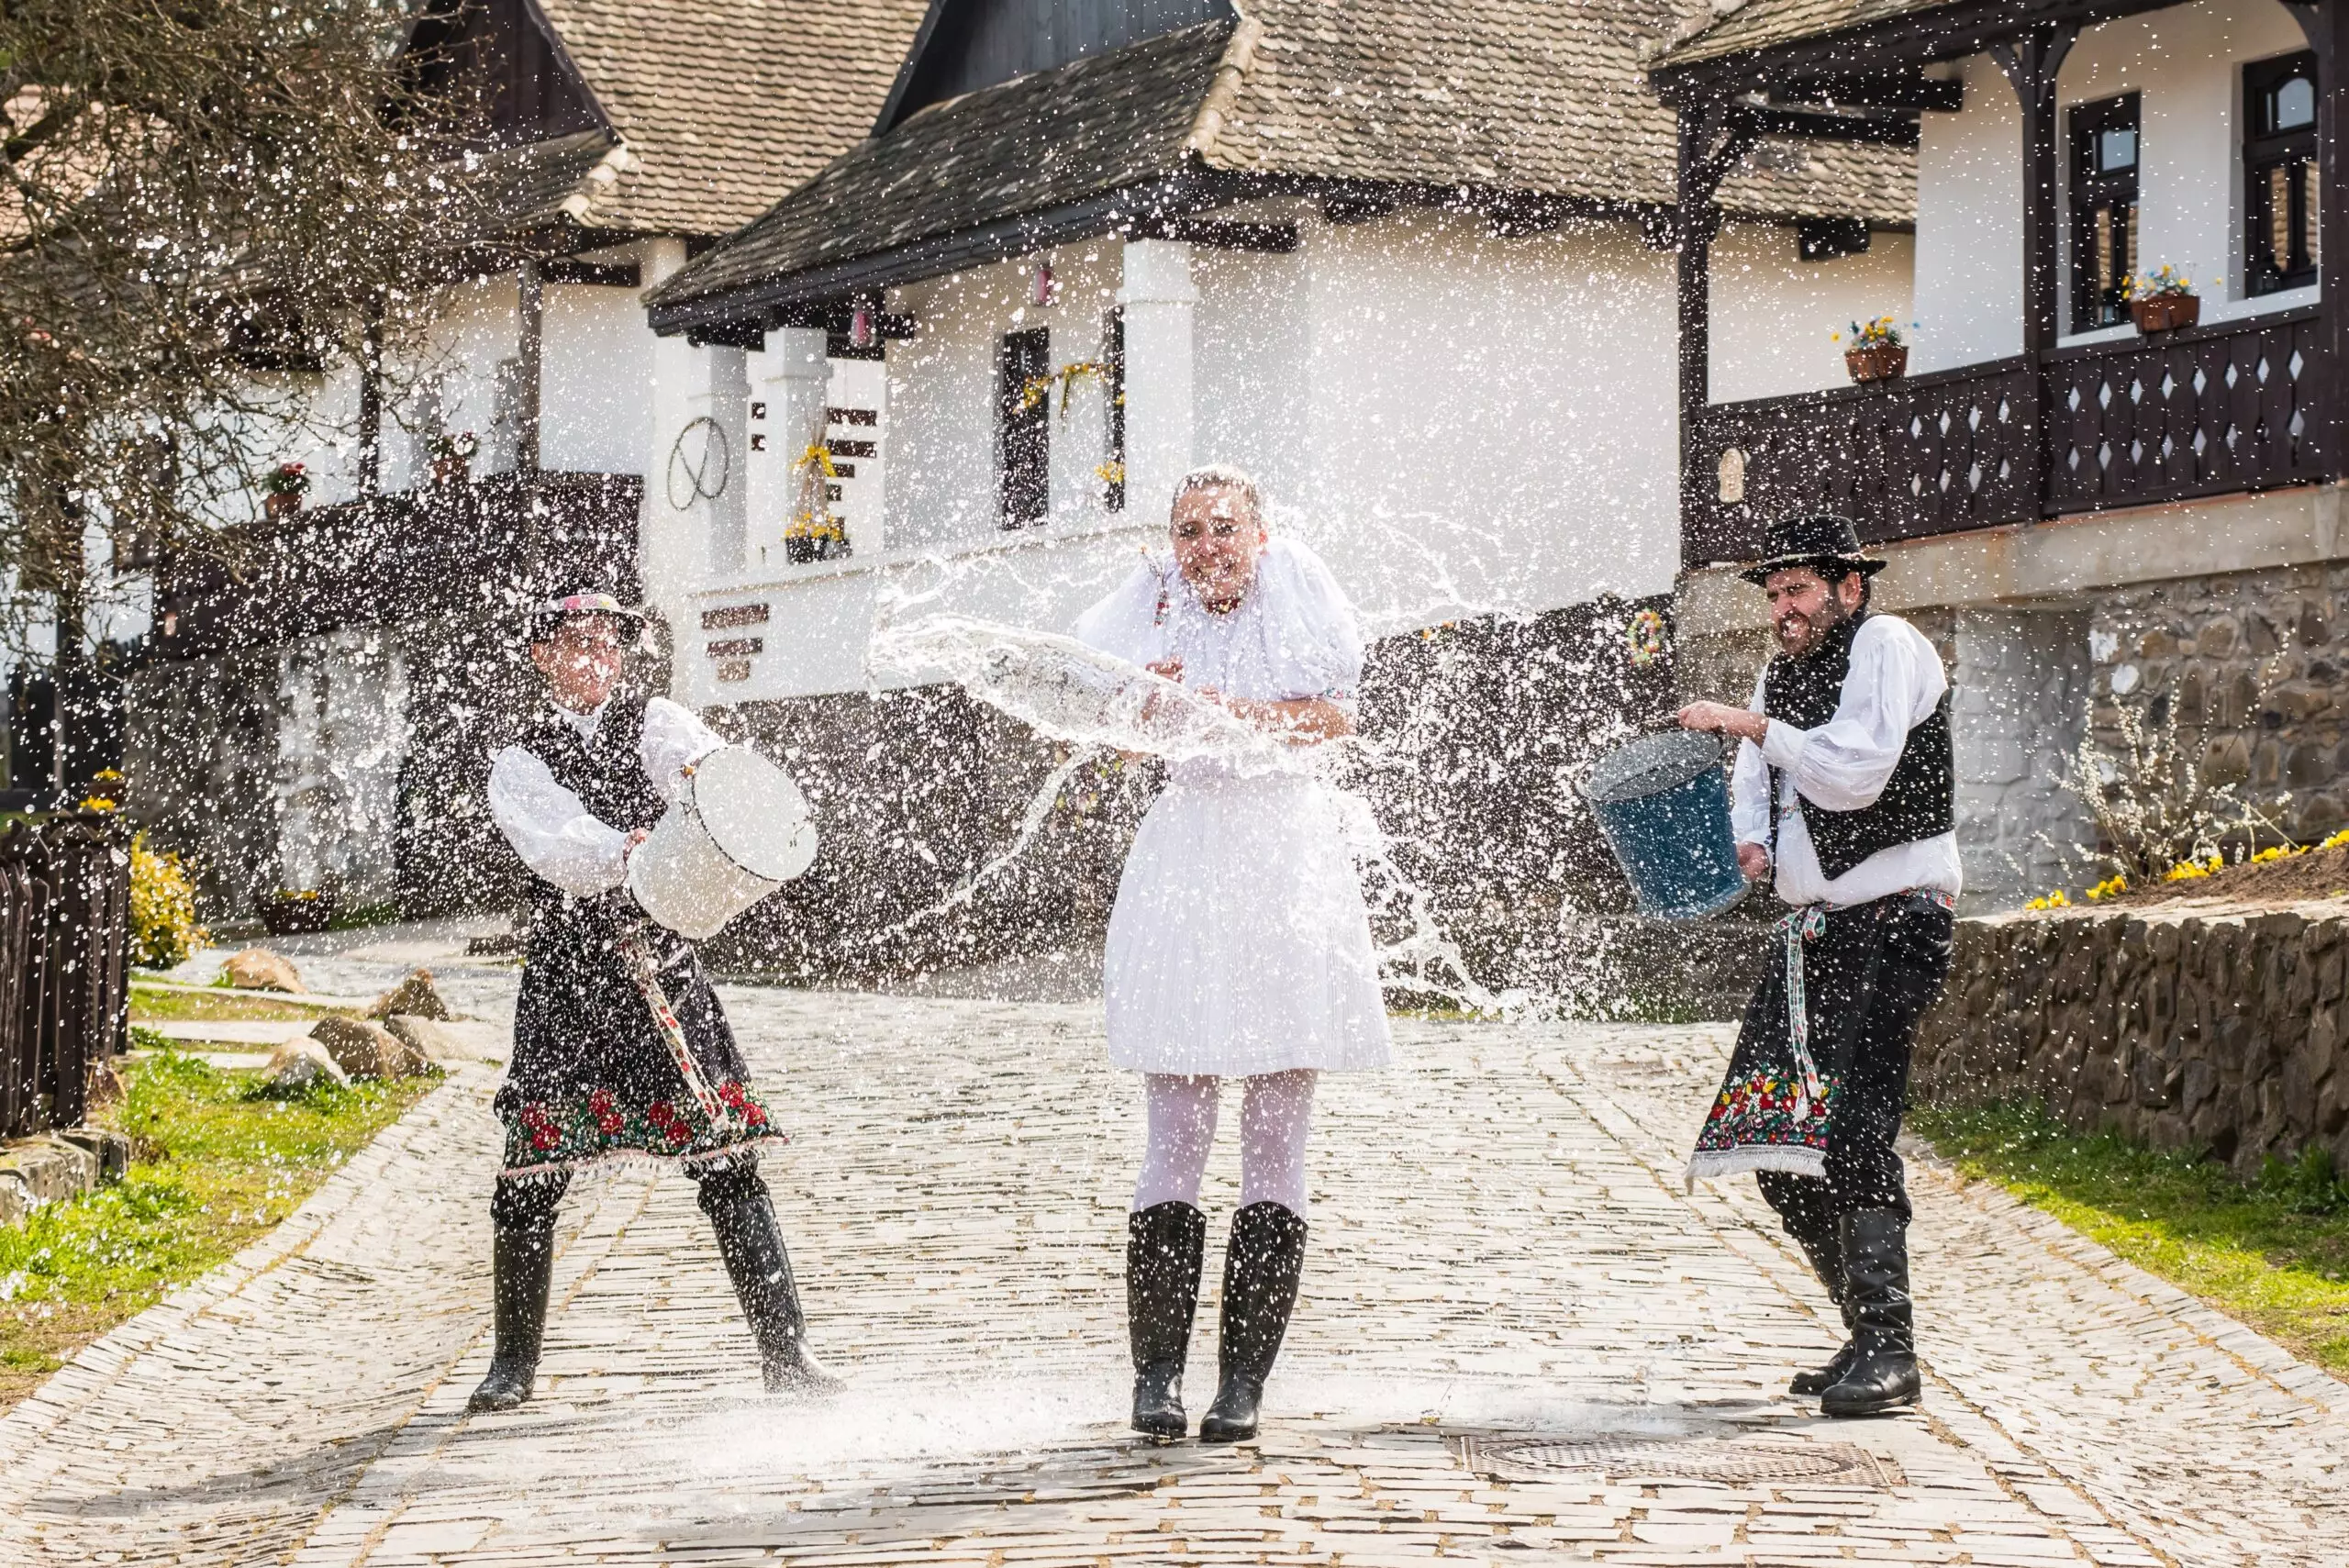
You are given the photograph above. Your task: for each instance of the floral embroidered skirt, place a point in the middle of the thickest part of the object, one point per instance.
(593, 1078)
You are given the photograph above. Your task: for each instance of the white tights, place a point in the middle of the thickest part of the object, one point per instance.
(1276, 1108)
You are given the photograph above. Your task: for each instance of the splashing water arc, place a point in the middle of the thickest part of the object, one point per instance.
(1094, 702)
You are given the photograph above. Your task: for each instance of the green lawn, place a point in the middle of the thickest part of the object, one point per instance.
(151, 1004)
(217, 1162)
(2273, 1254)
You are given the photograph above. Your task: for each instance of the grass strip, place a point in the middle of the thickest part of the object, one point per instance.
(154, 1004)
(2272, 1253)
(219, 1160)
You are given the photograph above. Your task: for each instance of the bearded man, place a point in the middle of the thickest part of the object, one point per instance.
(1843, 794)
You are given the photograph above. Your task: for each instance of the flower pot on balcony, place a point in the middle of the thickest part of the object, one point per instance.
(1888, 364)
(282, 504)
(2167, 312)
(452, 470)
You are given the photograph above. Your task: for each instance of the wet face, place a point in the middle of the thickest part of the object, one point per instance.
(581, 660)
(1805, 607)
(1217, 538)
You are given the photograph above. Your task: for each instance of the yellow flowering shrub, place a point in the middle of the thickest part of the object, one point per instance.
(2058, 899)
(163, 908)
(2110, 887)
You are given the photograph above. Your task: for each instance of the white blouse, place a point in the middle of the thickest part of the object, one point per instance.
(552, 829)
(1894, 683)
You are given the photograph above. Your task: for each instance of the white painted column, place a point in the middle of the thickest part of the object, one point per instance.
(726, 461)
(793, 383)
(669, 553)
(1159, 299)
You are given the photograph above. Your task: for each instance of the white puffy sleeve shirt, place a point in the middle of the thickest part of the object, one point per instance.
(552, 829)
(1894, 683)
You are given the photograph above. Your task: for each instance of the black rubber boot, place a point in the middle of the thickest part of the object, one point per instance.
(522, 1260)
(1826, 1254)
(1882, 1375)
(1261, 1269)
(1164, 1246)
(751, 1243)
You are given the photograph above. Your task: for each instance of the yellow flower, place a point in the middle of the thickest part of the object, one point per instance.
(97, 802)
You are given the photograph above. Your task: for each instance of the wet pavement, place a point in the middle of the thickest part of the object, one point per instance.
(1501, 1251)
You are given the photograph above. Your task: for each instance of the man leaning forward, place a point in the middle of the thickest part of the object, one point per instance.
(1842, 794)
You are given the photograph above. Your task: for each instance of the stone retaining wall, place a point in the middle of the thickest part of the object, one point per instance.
(2186, 1026)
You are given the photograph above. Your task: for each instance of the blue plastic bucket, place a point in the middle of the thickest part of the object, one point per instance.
(1662, 802)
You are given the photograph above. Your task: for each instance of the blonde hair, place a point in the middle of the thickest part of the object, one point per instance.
(1221, 476)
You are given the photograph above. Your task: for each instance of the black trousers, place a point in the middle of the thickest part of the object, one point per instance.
(523, 1202)
(1882, 965)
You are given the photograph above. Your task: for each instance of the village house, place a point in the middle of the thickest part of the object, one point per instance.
(315, 708)
(1412, 266)
(2096, 510)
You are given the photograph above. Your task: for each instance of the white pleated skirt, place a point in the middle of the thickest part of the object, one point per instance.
(1238, 943)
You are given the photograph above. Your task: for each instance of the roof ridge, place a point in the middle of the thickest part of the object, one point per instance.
(1238, 54)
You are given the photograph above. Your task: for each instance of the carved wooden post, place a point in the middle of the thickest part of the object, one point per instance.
(2032, 63)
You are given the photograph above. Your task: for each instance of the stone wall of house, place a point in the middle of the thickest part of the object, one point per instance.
(2210, 1030)
(2019, 683)
(2246, 665)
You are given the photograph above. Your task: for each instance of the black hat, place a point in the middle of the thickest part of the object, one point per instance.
(1820, 539)
(549, 613)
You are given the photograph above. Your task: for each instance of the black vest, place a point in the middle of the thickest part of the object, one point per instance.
(1919, 799)
(606, 774)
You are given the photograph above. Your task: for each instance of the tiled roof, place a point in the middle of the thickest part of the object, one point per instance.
(1545, 96)
(725, 107)
(546, 184)
(1034, 143)
(1742, 25)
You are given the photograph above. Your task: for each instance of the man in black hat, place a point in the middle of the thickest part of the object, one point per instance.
(621, 1051)
(1843, 794)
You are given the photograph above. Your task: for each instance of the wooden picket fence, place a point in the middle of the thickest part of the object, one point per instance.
(64, 964)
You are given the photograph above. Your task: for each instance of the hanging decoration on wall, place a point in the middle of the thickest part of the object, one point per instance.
(1045, 290)
(698, 464)
(814, 533)
(1644, 638)
(860, 327)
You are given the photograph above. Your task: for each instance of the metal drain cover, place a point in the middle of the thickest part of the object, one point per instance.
(1732, 1462)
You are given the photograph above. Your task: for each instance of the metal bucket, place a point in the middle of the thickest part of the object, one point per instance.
(738, 830)
(1662, 802)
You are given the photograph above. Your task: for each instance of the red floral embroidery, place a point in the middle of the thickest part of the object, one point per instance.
(752, 1115)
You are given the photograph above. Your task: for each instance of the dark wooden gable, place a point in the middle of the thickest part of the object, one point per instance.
(498, 59)
(965, 45)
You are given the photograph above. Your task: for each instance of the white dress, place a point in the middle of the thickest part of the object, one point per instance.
(1240, 944)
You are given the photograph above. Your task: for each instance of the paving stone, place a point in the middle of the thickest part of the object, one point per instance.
(1500, 1244)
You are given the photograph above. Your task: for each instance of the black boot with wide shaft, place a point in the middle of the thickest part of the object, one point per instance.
(1165, 1244)
(1821, 1245)
(523, 1259)
(1882, 1375)
(1259, 1274)
(751, 1243)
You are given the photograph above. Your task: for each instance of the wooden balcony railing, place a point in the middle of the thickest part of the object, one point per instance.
(470, 551)
(2204, 411)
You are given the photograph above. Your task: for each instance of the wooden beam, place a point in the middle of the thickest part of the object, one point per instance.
(596, 275)
(1713, 140)
(1276, 238)
(2328, 31)
(2032, 63)
(531, 354)
(1811, 126)
(1904, 90)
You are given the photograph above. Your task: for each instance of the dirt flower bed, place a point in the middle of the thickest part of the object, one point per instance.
(2319, 873)
(219, 1162)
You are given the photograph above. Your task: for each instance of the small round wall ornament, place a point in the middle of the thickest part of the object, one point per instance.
(1644, 638)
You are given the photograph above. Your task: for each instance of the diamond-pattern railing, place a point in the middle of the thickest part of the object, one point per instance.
(2232, 406)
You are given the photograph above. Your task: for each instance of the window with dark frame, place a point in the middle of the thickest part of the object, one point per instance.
(1024, 427)
(1113, 338)
(2104, 209)
(2279, 179)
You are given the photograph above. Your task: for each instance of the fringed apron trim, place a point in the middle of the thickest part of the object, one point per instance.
(1710, 1164)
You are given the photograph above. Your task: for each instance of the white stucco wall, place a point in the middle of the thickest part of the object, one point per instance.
(1776, 317)
(2187, 63)
(594, 380)
(1459, 423)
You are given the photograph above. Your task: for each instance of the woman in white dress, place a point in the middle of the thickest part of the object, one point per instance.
(1240, 945)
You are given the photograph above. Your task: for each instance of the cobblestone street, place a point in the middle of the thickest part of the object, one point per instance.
(1500, 1248)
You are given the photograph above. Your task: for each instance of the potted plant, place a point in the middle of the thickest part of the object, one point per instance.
(2163, 301)
(814, 537)
(452, 456)
(1874, 350)
(285, 486)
